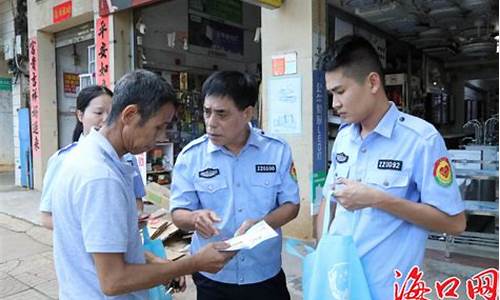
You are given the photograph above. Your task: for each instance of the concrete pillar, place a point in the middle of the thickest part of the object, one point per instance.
(41, 26)
(296, 26)
(48, 105)
(121, 45)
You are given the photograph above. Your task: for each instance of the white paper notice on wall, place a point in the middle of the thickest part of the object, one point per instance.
(284, 64)
(285, 103)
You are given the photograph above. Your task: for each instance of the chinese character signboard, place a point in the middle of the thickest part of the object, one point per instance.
(483, 285)
(34, 97)
(278, 65)
(215, 35)
(229, 10)
(284, 64)
(320, 138)
(5, 84)
(102, 73)
(62, 12)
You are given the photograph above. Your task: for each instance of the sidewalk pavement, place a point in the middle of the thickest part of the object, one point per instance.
(26, 266)
(26, 261)
(27, 269)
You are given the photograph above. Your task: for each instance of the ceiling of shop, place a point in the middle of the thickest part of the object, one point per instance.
(447, 29)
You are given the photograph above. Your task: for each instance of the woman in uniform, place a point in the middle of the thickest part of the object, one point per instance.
(93, 105)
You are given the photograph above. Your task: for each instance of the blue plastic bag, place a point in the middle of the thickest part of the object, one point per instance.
(155, 247)
(334, 270)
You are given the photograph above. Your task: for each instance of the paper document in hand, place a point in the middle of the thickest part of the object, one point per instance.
(254, 236)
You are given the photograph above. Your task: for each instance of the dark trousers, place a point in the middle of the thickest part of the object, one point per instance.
(271, 289)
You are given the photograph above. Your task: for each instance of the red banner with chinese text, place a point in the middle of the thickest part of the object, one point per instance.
(34, 97)
(483, 284)
(102, 72)
(62, 12)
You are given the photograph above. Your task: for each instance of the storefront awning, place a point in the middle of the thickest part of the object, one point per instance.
(107, 7)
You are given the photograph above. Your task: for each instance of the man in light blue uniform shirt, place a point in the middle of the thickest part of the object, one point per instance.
(229, 179)
(98, 251)
(53, 168)
(390, 173)
(93, 225)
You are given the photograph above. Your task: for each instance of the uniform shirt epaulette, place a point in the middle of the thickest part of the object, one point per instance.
(67, 148)
(421, 127)
(343, 125)
(271, 137)
(194, 143)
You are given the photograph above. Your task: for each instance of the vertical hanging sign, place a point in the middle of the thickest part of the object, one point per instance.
(34, 97)
(320, 139)
(102, 51)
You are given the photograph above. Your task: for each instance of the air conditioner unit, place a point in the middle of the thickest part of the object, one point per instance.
(86, 80)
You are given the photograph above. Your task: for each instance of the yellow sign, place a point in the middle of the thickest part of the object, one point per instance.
(272, 4)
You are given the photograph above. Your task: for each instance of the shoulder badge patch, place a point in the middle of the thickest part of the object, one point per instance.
(293, 172)
(265, 168)
(341, 158)
(442, 172)
(208, 173)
